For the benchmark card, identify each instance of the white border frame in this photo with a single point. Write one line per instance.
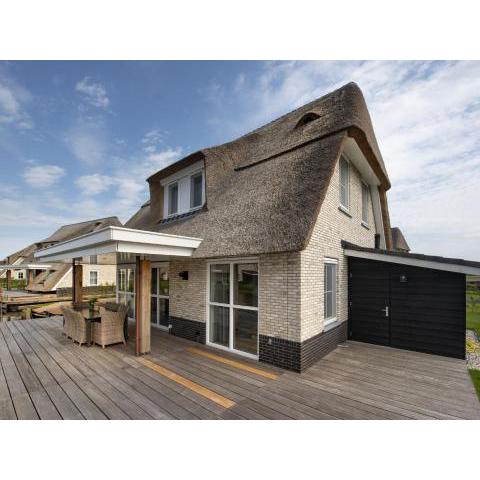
(231, 306)
(332, 261)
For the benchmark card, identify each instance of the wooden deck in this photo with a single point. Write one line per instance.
(44, 375)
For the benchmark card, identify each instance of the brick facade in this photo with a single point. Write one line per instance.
(331, 227)
(188, 297)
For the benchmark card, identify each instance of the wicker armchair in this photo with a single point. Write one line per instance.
(110, 329)
(75, 326)
(68, 325)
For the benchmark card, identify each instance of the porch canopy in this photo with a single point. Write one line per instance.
(143, 246)
(29, 267)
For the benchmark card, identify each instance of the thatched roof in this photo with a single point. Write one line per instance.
(264, 190)
(66, 232)
(398, 240)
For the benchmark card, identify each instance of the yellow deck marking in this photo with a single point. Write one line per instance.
(234, 363)
(205, 392)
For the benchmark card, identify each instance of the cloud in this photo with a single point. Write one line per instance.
(13, 99)
(42, 176)
(94, 93)
(94, 184)
(87, 144)
(426, 117)
(152, 139)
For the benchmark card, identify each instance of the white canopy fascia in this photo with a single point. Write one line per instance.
(415, 262)
(25, 266)
(121, 240)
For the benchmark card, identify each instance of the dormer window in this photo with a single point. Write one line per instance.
(307, 118)
(184, 190)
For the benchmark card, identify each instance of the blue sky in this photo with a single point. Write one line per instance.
(78, 139)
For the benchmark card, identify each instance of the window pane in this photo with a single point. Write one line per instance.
(196, 190)
(163, 304)
(365, 201)
(153, 284)
(163, 282)
(245, 323)
(130, 279)
(173, 198)
(153, 310)
(330, 287)
(220, 283)
(245, 280)
(344, 182)
(219, 325)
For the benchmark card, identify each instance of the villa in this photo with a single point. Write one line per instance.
(278, 246)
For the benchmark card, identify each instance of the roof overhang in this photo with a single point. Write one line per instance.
(25, 266)
(121, 240)
(411, 259)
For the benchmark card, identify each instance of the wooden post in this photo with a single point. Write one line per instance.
(143, 278)
(30, 276)
(77, 280)
(9, 279)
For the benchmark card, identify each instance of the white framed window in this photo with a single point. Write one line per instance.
(93, 259)
(232, 307)
(344, 183)
(184, 191)
(93, 278)
(20, 275)
(330, 290)
(365, 202)
(173, 198)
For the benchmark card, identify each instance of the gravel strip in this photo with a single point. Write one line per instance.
(473, 359)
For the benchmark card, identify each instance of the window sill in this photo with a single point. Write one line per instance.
(330, 324)
(344, 211)
(365, 225)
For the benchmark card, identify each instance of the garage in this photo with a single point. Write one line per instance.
(408, 301)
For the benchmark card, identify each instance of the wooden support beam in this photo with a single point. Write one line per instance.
(30, 276)
(9, 279)
(77, 282)
(143, 278)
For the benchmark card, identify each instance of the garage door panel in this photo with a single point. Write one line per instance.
(427, 307)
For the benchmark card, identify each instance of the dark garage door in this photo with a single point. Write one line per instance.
(407, 307)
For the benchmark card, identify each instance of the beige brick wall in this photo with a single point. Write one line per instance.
(188, 298)
(331, 227)
(279, 295)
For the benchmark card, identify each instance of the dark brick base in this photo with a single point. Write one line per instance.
(189, 329)
(298, 356)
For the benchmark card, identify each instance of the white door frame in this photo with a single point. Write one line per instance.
(231, 262)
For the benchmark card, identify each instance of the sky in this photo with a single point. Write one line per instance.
(79, 139)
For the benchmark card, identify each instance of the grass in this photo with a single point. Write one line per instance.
(475, 376)
(473, 311)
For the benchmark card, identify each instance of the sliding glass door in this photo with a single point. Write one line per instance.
(233, 306)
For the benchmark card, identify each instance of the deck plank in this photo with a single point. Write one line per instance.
(43, 372)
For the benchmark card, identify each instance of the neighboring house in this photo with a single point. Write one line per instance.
(265, 246)
(399, 243)
(98, 270)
